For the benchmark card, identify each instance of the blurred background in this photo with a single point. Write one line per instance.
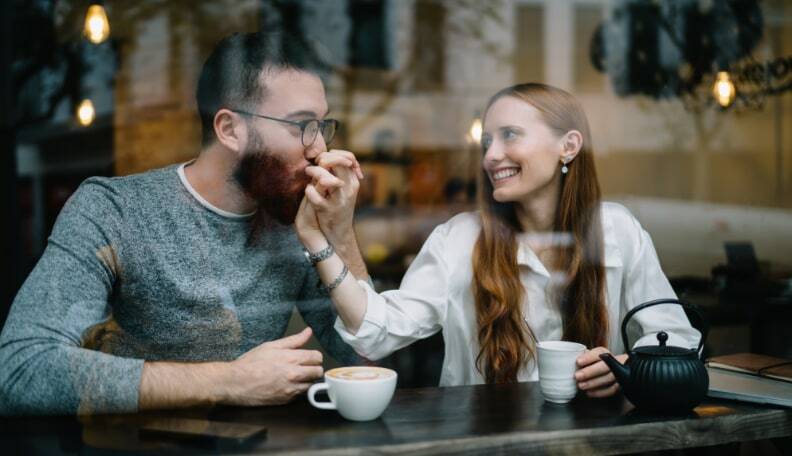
(690, 104)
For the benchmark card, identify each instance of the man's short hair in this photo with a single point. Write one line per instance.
(230, 76)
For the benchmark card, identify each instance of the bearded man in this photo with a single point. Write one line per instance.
(196, 264)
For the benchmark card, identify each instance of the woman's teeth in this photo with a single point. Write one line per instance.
(505, 173)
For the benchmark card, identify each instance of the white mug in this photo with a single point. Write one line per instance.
(359, 393)
(557, 366)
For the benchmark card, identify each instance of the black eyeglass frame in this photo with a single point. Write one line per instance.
(303, 124)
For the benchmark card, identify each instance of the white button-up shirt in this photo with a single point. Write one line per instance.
(436, 295)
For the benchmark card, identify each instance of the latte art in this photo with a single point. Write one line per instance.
(360, 373)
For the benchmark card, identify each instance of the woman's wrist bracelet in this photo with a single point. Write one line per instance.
(341, 276)
(321, 255)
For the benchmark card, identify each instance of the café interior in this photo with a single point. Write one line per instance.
(690, 106)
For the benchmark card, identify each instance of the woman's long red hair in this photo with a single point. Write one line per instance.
(505, 339)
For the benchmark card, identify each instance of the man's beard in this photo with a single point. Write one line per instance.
(268, 180)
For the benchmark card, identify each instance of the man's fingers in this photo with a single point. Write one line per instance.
(314, 197)
(293, 341)
(300, 388)
(306, 357)
(345, 174)
(323, 177)
(306, 374)
(353, 162)
(351, 182)
(303, 203)
(328, 161)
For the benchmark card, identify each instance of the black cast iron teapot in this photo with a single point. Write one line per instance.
(662, 378)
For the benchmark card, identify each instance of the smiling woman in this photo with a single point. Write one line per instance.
(531, 132)
(543, 259)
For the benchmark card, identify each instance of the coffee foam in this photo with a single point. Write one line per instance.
(360, 373)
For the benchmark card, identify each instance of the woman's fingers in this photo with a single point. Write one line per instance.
(591, 356)
(598, 382)
(592, 371)
(604, 392)
(594, 376)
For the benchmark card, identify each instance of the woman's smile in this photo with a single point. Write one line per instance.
(501, 176)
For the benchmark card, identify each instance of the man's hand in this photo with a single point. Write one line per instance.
(594, 376)
(336, 180)
(307, 226)
(274, 372)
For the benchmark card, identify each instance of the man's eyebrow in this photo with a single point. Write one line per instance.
(306, 114)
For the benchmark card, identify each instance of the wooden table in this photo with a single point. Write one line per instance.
(501, 419)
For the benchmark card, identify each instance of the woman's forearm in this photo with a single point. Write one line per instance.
(348, 296)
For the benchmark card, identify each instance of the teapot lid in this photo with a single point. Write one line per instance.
(663, 349)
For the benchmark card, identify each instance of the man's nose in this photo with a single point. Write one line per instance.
(318, 146)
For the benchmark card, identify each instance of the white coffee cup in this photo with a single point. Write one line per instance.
(557, 366)
(359, 393)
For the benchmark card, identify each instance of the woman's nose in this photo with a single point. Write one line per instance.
(494, 153)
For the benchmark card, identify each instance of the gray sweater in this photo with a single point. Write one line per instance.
(178, 278)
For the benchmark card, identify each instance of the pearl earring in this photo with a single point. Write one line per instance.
(564, 169)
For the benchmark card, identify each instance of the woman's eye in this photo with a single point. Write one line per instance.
(509, 134)
(486, 142)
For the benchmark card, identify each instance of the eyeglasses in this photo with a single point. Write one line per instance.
(308, 128)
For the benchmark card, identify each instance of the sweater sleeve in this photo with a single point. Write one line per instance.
(43, 369)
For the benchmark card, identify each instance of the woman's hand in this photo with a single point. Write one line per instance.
(594, 376)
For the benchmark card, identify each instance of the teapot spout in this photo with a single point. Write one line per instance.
(620, 371)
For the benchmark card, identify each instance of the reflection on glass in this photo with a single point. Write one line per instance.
(475, 130)
(723, 89)
(97, 27)
(408, 80)
(86, 113)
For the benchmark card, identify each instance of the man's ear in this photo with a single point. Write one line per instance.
(571, 143)
(230, 130)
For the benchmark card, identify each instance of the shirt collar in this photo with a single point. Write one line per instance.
(527, 257)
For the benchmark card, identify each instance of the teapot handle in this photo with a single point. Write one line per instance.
(703, 327)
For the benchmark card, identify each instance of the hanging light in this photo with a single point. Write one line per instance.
(97, 27)
(723, 89)
(86, 113)
(475, 130)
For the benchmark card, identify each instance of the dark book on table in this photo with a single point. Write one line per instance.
(751, 363)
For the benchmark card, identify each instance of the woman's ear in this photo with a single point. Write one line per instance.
(571, 143)
(230, 130)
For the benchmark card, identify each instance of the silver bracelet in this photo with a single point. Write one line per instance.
(338, 280)
(321, 255)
